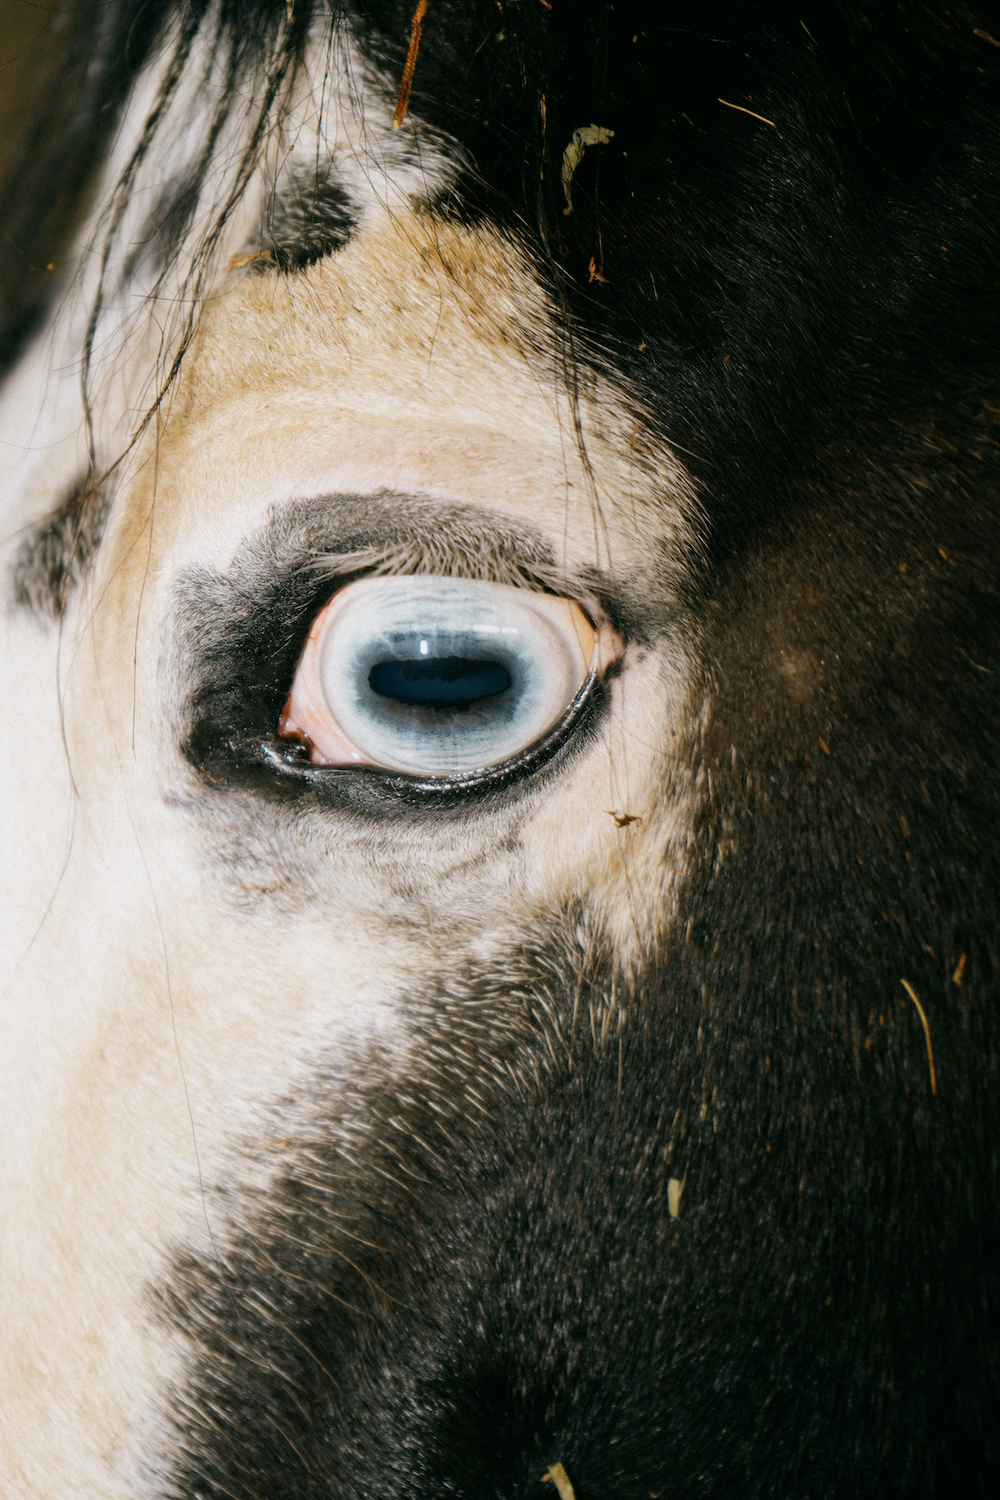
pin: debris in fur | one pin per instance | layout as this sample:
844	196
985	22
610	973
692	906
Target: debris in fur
558	1476
246	260
622	820
744	111
927	1031
587	135
403	102
675	1188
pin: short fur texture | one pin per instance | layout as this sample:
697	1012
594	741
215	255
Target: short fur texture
633	1107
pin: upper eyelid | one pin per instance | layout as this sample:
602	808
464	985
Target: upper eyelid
417	559
332	536
310	542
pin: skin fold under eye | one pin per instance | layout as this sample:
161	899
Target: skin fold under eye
437	676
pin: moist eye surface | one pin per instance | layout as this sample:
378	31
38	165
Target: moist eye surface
439	681
436	676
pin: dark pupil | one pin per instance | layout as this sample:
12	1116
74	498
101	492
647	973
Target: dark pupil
438	681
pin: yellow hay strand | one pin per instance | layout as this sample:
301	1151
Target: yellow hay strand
927	1030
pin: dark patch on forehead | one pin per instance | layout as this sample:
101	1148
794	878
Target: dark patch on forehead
167	222
631	1227
309	216
55	557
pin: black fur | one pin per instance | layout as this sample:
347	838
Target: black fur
787	255
56	555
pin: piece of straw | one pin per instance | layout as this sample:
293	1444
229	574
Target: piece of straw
557	1474
403	102
927	1031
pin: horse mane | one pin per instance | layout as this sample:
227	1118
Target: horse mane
101	48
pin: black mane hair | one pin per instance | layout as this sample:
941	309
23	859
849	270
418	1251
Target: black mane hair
873	126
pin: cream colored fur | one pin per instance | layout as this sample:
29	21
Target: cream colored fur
149	1023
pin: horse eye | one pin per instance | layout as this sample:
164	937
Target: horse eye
436	676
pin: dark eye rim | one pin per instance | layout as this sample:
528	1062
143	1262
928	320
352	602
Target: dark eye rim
288	759
239	637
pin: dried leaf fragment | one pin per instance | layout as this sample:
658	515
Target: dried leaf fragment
587	135
558	1476
622	820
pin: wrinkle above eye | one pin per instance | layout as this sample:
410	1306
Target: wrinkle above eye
437	676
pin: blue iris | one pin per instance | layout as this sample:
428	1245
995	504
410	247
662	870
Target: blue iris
438	676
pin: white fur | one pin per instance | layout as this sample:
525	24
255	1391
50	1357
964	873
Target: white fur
150	1022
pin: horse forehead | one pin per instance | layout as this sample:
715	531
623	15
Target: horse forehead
424	358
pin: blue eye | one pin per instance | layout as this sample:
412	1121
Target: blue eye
436	676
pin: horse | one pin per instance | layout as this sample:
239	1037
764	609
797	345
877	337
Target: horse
501	892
